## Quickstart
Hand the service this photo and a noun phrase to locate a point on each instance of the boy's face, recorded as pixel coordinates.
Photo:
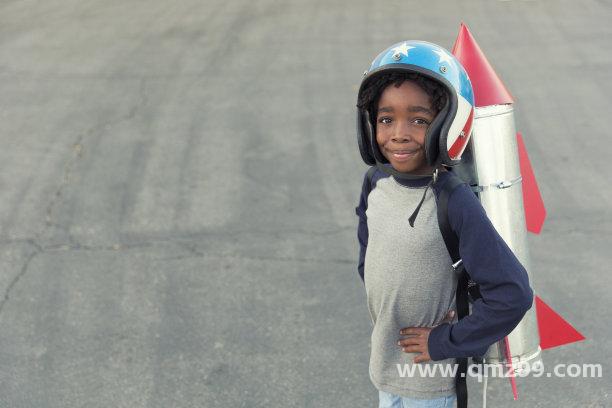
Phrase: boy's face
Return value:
(403, 115)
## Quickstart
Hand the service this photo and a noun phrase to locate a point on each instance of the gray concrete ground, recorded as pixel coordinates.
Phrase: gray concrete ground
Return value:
(178, 183)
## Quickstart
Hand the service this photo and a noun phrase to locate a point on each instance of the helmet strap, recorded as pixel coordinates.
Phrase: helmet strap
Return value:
(416, 210)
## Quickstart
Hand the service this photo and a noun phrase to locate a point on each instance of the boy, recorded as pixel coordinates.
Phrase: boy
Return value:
(415, 108)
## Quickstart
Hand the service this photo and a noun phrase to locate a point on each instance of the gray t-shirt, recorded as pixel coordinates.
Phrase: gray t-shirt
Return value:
(409, 281)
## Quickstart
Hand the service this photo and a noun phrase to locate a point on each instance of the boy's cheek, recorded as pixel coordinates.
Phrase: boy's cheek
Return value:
(381, 147)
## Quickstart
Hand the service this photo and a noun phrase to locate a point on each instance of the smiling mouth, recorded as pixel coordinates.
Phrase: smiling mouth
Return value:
(402, 154)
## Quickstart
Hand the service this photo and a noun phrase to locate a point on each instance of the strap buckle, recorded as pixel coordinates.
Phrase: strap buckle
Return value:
(499, 185)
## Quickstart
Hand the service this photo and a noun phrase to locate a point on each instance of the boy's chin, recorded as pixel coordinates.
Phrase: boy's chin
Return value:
(406, 167)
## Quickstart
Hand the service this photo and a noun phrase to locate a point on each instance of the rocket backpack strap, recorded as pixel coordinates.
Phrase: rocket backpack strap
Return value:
(461, 297)
(466, 288)
(452, 241)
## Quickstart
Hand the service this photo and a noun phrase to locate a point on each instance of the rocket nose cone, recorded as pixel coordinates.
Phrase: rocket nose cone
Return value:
(488, 87)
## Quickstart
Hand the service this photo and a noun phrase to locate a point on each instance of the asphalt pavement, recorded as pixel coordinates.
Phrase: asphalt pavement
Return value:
(178, 183)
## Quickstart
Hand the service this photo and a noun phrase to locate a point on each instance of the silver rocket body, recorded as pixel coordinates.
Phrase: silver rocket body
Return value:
(490, 163)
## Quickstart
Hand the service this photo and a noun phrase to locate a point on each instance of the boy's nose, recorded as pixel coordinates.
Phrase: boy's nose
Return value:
(402, 131)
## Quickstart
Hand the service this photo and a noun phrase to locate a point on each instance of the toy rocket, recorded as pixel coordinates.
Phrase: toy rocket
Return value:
(496, 165)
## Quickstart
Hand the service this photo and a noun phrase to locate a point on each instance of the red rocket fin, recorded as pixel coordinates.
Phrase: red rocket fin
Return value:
(510, 367)
(488, 88)
(535, 213)
(554, 330)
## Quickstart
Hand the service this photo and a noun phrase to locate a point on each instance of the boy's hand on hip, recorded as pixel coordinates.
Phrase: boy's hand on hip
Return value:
(418, 337)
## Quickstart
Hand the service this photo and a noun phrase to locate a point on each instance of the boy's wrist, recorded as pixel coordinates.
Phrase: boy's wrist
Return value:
(435, 341)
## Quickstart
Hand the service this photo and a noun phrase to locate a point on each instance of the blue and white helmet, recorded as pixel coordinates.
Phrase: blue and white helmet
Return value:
(447, 136)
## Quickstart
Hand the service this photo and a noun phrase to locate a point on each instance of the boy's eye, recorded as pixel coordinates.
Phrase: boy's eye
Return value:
(385, 120)
(421, 121)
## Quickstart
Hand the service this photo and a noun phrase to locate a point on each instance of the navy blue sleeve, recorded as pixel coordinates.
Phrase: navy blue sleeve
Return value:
(362, 229)
(504, 284)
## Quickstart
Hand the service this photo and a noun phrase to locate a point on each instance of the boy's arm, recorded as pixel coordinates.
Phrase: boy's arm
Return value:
(504, 284)
(362, 229)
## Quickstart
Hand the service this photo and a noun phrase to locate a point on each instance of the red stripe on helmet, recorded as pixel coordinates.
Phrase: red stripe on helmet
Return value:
(459, 144)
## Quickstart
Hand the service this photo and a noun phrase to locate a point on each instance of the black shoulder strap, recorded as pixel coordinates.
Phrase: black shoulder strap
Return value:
(450, 238)
(461, 300)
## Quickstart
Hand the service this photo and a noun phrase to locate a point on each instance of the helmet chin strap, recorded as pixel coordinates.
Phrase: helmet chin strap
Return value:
(412, 218)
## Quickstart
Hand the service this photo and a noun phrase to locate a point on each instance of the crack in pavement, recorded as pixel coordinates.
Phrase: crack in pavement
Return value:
(78, 152)
(24, 268)
(190, 247)
(77, 148)
(261, 258)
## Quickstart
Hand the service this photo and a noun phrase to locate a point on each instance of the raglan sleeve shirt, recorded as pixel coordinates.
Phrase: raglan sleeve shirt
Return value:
(504, 284)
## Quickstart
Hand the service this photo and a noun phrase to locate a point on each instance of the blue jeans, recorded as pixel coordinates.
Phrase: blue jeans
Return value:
(386, 400)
